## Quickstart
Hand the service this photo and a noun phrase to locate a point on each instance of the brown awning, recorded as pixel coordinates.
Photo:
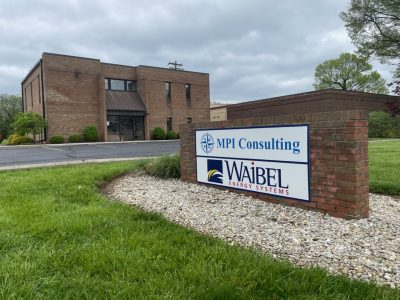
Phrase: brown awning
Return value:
(124, 101)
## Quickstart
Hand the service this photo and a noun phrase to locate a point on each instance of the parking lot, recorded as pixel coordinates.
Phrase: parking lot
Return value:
(11, 156)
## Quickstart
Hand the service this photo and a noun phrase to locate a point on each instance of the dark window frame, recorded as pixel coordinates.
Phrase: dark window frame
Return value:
(188, 92)
(31, 95)
(169, 124)
(168, 92)
(107, 86)
(40, 96)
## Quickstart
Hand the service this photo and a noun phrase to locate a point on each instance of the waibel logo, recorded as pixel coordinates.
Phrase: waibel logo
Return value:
(207, 143)
(215, 171)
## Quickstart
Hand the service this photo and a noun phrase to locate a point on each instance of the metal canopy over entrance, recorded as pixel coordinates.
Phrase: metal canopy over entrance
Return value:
(125, 116)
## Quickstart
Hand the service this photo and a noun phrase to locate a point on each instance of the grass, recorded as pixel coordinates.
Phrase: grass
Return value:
(165, 166)
(4, 142)
(60, 238)
(384, 167)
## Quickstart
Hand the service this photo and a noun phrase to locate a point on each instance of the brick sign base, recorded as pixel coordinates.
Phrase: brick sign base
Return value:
(338, 155)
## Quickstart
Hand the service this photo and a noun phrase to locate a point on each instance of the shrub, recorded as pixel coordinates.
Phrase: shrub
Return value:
(76, 138)
(1, 138)
(57, 139)
(91, 134)
(19, 140)
(167, 166)
(382, 125)
(171, 135)
(29, 123)
(158, 133)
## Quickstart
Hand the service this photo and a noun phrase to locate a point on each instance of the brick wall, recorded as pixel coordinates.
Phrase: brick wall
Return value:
(151, 88)
(315, 101)
(32, 93)
(339, 159)
(74, 94)
(71, 94)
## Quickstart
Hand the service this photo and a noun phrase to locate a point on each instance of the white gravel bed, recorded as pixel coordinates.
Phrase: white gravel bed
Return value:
(368, 249)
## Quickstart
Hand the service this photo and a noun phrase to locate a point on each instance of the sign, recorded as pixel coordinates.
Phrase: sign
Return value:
(271, 160)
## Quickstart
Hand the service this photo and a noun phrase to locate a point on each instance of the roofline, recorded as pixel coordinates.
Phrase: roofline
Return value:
(73, 56)
(168, 69)
(119, 65)
(325, 91)
(31, 71)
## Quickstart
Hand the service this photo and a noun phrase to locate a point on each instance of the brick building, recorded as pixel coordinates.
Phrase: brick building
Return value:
(123, 102)
(310, 102)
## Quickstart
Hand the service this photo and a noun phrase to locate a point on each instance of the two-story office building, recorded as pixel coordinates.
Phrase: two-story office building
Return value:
(123, 102)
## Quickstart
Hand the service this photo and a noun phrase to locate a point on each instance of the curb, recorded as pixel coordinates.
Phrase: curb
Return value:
(84, 144)
(72, 162)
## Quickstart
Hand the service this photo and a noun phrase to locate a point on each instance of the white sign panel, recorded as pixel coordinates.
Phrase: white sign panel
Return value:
(270, 159)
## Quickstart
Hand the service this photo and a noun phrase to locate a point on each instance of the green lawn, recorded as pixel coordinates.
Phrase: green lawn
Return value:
(384, 167)
(60, 238)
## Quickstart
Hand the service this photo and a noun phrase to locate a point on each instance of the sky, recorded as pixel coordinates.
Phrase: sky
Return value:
(252, 49)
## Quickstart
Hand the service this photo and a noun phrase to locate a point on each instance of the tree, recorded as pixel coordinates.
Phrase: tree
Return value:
(29, 123)
(349, 72)
(374, 27)
(10, 106)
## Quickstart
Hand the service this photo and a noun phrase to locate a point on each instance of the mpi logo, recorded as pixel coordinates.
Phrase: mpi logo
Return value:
(207, 143)
(214, 169)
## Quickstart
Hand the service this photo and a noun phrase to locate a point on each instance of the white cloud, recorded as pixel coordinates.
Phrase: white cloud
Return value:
(252, 49)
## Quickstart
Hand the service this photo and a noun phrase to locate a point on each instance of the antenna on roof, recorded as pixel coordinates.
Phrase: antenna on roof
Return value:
(175, 66)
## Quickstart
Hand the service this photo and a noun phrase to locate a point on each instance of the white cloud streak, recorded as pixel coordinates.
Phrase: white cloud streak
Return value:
(252, 49)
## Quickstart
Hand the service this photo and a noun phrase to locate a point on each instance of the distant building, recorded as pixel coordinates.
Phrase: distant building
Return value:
(217, 112)
(125, 103)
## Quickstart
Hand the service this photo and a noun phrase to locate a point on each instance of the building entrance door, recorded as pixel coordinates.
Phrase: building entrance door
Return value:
(125, 128)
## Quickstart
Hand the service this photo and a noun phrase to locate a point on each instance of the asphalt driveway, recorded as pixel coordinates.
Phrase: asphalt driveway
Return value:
(18, 156)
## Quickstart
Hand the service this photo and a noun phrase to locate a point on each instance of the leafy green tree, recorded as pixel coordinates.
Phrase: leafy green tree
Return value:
(374, 27)
(29, 123)
(349, 72)
(10, 106)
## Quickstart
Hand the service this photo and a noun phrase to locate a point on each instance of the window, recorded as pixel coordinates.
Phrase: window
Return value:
(130, 85)
(188, 120)
(188, 94)
(25, 101)
(31, 96)
(168, 92)
(169, 124)
(118, 85)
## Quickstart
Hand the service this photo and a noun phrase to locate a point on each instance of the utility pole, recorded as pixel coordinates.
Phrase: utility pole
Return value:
(175, 66)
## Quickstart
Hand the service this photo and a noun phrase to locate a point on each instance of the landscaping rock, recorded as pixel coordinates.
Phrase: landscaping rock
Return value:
(367, 249)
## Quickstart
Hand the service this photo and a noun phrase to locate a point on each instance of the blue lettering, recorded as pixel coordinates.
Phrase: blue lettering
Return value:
(240, 143)
(260, 176)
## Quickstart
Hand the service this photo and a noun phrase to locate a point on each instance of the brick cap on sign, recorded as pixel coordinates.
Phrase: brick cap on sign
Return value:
(326, 92)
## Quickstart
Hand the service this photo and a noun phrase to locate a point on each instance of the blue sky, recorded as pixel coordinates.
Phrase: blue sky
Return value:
(252, 49)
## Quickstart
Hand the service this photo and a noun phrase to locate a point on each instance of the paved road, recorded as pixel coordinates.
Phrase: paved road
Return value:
(44, 154)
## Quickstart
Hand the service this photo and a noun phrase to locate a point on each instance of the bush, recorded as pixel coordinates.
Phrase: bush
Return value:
(29, 123)
(57, 139)
(16, 139)
(76, 138)
(158, 134)
(91, 134)
(171, 135)
(167, 166)
(382, 125)
(1, 138)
